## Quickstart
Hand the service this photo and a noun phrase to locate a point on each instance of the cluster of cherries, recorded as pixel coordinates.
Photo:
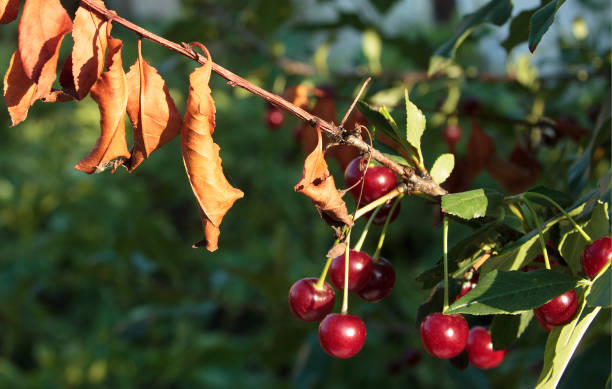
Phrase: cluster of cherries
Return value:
(447, 336)
(372, 279)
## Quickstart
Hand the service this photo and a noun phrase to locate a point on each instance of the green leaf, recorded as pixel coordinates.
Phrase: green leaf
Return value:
(572, 243)
(541, 21)
(381, 120)
(563, 199)
(506, 329)
(513, 292)
(472, 204)
(561, 344)
(495, 11)
(518, 253)
(442, 168)
(519, 30)
(601, 291)
(415, 124)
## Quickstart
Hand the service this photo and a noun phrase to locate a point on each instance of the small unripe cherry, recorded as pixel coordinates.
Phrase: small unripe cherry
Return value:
(275, 117)
(452, 135)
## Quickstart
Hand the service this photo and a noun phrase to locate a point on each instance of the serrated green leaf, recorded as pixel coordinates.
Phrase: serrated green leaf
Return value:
(572, 243)
(541, 21)
(506, 329)
(472, 204)
(561, 344)
(381, 120)
(513, 292)
(442, 168)
(495, 11)
(601, 291)
(415, 124)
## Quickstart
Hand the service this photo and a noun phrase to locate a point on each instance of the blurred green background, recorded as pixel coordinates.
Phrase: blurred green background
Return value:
(99, 285)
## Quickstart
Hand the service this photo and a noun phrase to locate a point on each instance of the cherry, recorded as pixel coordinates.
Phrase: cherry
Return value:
(542, 322)
(380, 283)
(480, 349)
(309, 303)
(383, 212)
(596, 255)
(471, 279)
(470, 106)
(275, 117)
(444, 336)
(559, 310)
(377, 180)
(360, 269)
(452, 135)
(342, 335)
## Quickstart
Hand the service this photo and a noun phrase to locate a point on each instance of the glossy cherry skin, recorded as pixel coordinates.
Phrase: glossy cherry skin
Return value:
(541, 320)
(360, 270)
(381, 282)
(377, 181)
(560, 310)
(342, 336)
(275, 117)
(383, 212)
(444, 336)
(480, 349)
(596, 255)
(309, 303)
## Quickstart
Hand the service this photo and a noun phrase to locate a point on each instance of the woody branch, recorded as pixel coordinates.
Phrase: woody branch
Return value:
(338, 134)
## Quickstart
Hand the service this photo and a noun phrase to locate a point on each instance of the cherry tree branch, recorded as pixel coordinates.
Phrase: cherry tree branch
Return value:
(415, 182)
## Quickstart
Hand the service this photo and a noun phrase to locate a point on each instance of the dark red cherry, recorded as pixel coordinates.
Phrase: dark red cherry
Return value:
(377, 180)
(480, 349)
(381, 282)
(559, 310)
(541, 320)
(444, 336)
(452, 135)
(382, 214)
(275, 117)
(360, 269)
(341, 335)
(309, 303)
(596, 255)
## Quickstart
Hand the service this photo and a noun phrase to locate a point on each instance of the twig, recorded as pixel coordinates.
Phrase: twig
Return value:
(355, 100)
(338, 134)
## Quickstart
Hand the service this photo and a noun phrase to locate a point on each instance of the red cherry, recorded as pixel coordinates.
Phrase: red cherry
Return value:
(452, 135)
(275, 117)
(360, 269)
(596, 255)
(444, 336)
(480, 349)
(309, 303)
(559, 310)
(383, 212)
(341, 335)
(381, 282)
(377, 181)
(541, 320)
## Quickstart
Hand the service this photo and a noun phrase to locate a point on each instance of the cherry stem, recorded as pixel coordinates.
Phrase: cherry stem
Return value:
(364, 234)
(563, 211)
(401, 188)
(445, 245)
(321, 281)
(383, 233)
(346, 273)
(536, 221)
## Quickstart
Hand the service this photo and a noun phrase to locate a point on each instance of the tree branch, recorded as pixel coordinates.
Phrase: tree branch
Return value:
(338, 134)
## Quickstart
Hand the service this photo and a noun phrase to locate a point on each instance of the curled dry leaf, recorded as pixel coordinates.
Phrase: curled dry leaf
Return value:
(90, 43)
(214, 194)
(42, 27)
(8, 10)
(154, 116)
(110, 93)
(57, 96)
(318, 184)
(18, 90)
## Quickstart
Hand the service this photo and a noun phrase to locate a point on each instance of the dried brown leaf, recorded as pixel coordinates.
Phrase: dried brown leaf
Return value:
(9, 9)
(57, 96)
(48, 75)
(90, 43)
(214, 194)
(318, 184)
(18, 90)
(42, 27)
(154, 116)
(110, 93)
